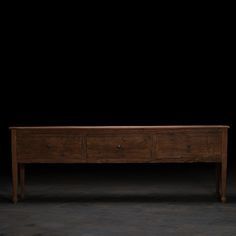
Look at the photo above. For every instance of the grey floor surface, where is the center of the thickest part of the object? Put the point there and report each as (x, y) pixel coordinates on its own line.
(162, 200)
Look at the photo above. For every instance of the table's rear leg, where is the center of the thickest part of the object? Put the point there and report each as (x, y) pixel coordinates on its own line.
(22, 180)
(218, 180)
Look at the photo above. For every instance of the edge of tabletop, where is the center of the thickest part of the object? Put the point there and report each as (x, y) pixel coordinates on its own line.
(120, 127)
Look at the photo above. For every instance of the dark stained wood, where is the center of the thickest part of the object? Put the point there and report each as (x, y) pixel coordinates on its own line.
(22, 180)
(224, 165)
(119, 144)
(119, 148)
(201, 145)
(218, 180)
(46, 147)
(14, 167)
(122, 127)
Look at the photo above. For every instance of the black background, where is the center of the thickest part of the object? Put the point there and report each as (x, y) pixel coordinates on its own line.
(116, 70)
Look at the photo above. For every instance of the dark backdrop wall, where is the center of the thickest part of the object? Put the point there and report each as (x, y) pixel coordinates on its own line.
(109, 72)
(93, 104)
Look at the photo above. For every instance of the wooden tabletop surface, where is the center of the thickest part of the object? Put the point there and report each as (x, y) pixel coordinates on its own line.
(121, 127)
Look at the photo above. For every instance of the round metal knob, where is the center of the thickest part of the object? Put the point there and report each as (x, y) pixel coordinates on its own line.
(118, 146)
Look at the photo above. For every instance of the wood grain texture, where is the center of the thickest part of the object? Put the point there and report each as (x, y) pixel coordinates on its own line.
(48, 147)
(119, 148)
(201, 145)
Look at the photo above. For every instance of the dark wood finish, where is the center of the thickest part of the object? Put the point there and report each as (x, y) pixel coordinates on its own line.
(14, 168)
(22, 180)
(218, 180)
(119, 148)
(224, 165)
(189, 146)
(119, 144)
(49, 147)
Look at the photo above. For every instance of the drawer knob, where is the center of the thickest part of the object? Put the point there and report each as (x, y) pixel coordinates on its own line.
(118, 146)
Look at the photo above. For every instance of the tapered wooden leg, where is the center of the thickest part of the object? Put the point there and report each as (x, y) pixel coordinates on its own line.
(14, 167)
(22, 180)
(223, 181)
(218, 180)
(224, 166)
(14, 182)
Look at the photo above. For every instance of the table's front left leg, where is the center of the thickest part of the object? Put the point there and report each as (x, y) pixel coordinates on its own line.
(14, 168)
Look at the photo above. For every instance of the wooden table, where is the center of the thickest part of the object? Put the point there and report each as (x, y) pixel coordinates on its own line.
(119, 144)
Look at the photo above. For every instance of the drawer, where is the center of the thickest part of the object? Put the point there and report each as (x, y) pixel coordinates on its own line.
(49, 147)
(189, 146)
(119, 148)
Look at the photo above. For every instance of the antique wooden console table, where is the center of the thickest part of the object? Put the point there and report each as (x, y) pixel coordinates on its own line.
(119, 144)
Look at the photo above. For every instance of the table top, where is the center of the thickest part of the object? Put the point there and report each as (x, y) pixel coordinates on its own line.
(122, 127)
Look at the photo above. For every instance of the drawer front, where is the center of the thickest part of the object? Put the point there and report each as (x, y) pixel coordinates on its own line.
(119, 148)
(49, 147)
(189, 146)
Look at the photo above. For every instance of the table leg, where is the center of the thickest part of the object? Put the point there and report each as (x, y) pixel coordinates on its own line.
(14, 168)
(224, 166)
(218, 180)
(223, 181)
(22, 180)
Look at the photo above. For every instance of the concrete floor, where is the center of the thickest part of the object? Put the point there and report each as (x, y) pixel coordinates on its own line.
(119, 201)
